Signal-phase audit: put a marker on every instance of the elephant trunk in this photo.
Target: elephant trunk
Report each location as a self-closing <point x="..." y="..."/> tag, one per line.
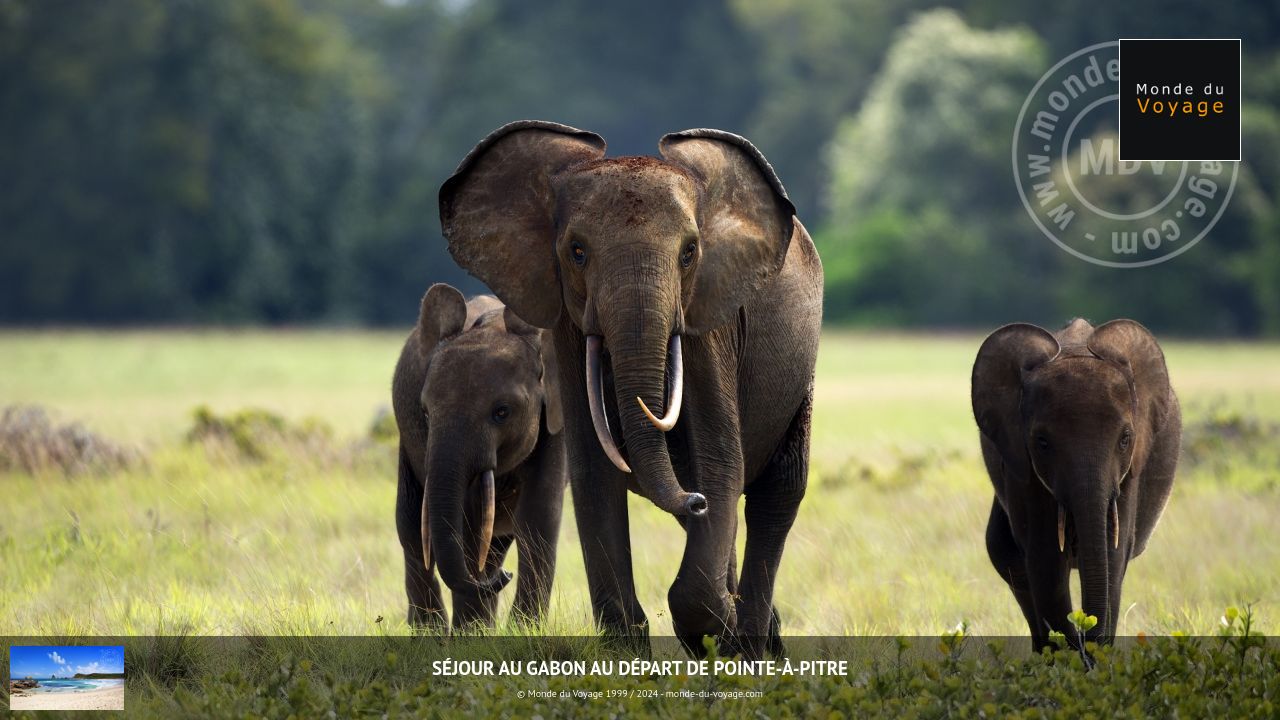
<point x="642" y="376"/>
<point x="1094" y="534"/>
<point x="446" y="488"/>
<point x="638" y="317"/>
<point x="674" y="388"/>
<point x="595" y="397"/>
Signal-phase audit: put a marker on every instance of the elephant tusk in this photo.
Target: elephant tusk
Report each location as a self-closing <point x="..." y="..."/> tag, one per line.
<point x="1062" y="529"/>
<point x="675" y="363"/>
<point x="486" y="520"/>
<point x="426" y="533"/>
<point x="595" y="398"/>
<point x="1115" y="524"/>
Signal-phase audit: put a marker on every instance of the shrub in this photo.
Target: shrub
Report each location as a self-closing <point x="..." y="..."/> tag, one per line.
<point x="253" y="432"/>
<point x="257" y="435"/>
<point x="383" y="428"/>
<point x="1234" y="448"/>
<point x="1224" y="433"/>
<point x="30" y="442"/>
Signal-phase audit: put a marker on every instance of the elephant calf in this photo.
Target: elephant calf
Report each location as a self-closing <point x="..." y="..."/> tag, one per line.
<point x="1080" y="432"/>
<point x="482" y="460"/>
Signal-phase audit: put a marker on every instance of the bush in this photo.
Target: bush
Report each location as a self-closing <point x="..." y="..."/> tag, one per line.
<point x="1227" y="433"/>
<point x="383" y="429"/>
<point x="1234" y="448"/>
<point x="258" y="436"/>
<point x="30" y="442"/>
<point x="252" y="433"/>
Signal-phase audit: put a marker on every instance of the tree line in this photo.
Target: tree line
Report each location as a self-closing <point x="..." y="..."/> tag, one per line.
<point x="277" y="161"/>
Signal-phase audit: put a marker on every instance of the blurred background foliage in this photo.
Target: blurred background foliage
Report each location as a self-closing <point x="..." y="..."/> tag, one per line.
<point x="277" y="161"/>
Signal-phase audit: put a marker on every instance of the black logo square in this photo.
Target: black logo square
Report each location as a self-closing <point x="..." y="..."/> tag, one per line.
<point x="1179" y="100"/>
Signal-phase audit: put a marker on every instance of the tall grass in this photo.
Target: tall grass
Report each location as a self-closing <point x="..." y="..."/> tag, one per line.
<point x="302" y="541"/>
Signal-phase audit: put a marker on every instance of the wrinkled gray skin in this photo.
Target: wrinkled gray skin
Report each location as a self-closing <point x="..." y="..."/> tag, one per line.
<point x="1085" y="421"/>
<point x="701" y="245"/>
<point x="463" y="361"/>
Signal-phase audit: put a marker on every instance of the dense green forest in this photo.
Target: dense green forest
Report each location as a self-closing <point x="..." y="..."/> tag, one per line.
<point x="277" y="161"/>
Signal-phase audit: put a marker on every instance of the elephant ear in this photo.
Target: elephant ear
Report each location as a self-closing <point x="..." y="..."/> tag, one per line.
<point x="497" y="211"/>
<point x="745" y="219"/>
<point x="541" y="341"/>
<point x="996" y="391"/>
<point x="1133" y="347"/>
<point x="442" y="315"/>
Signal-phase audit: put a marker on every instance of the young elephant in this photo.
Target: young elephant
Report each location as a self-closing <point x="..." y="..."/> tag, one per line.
<point x="1080" y="434"/>
<point x="480" y="433"/>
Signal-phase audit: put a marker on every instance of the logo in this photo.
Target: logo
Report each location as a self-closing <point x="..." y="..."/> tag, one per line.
<point x="1180" y="100"/>
<point x="1082" y="196"/>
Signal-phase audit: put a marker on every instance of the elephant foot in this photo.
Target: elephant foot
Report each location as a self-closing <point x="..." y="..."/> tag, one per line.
<point x="474" y="612"/>
<point x="707" y="631"/>
<point x="427" y="620"/>
<point x="734" y="646"/>
<point x="755" y="647"/>
<point x="629" y="644"/>
<point x="698" y="612"/>
<point x="624" y="628"/>
<point x="775" y="646"/>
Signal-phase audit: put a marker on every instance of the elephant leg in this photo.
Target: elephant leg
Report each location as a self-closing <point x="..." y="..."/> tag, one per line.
<point x="426" y="603"/>
<point x="731" y="573"/>
<point x="728" y="645"/>
<point x="599" y="493"/>
<point x="470" y="609"/>
<point x="1049" y="575"/>
<point x="537" y="521"/>
<point x="1117" y="565"/>
<point x="773" y="501"/>
<point x="1118" y="568"/>
<point x="700" y="599"/>
<point x="1010" y="563"/>
<point x="600" y="510"/>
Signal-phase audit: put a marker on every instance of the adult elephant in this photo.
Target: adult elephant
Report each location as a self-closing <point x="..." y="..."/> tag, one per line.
<point x="685" y="301"/>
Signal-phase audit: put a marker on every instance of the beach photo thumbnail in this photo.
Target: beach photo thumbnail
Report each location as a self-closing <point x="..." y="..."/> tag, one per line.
<point x="66" y="677"/>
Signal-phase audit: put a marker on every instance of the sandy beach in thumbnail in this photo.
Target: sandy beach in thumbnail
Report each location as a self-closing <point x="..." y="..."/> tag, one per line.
<point x="107" y="698"/>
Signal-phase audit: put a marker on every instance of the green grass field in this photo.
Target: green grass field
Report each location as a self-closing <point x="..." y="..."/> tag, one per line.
<point x="889" y="539"/>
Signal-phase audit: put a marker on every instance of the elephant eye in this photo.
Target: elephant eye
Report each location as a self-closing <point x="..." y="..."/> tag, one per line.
<point x="500" y="413"/>
<point x="1125" y="440"/>
<point x="1042" y="442"/>
<point x="578" y="252"/>
<point x="689" y="253"/>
